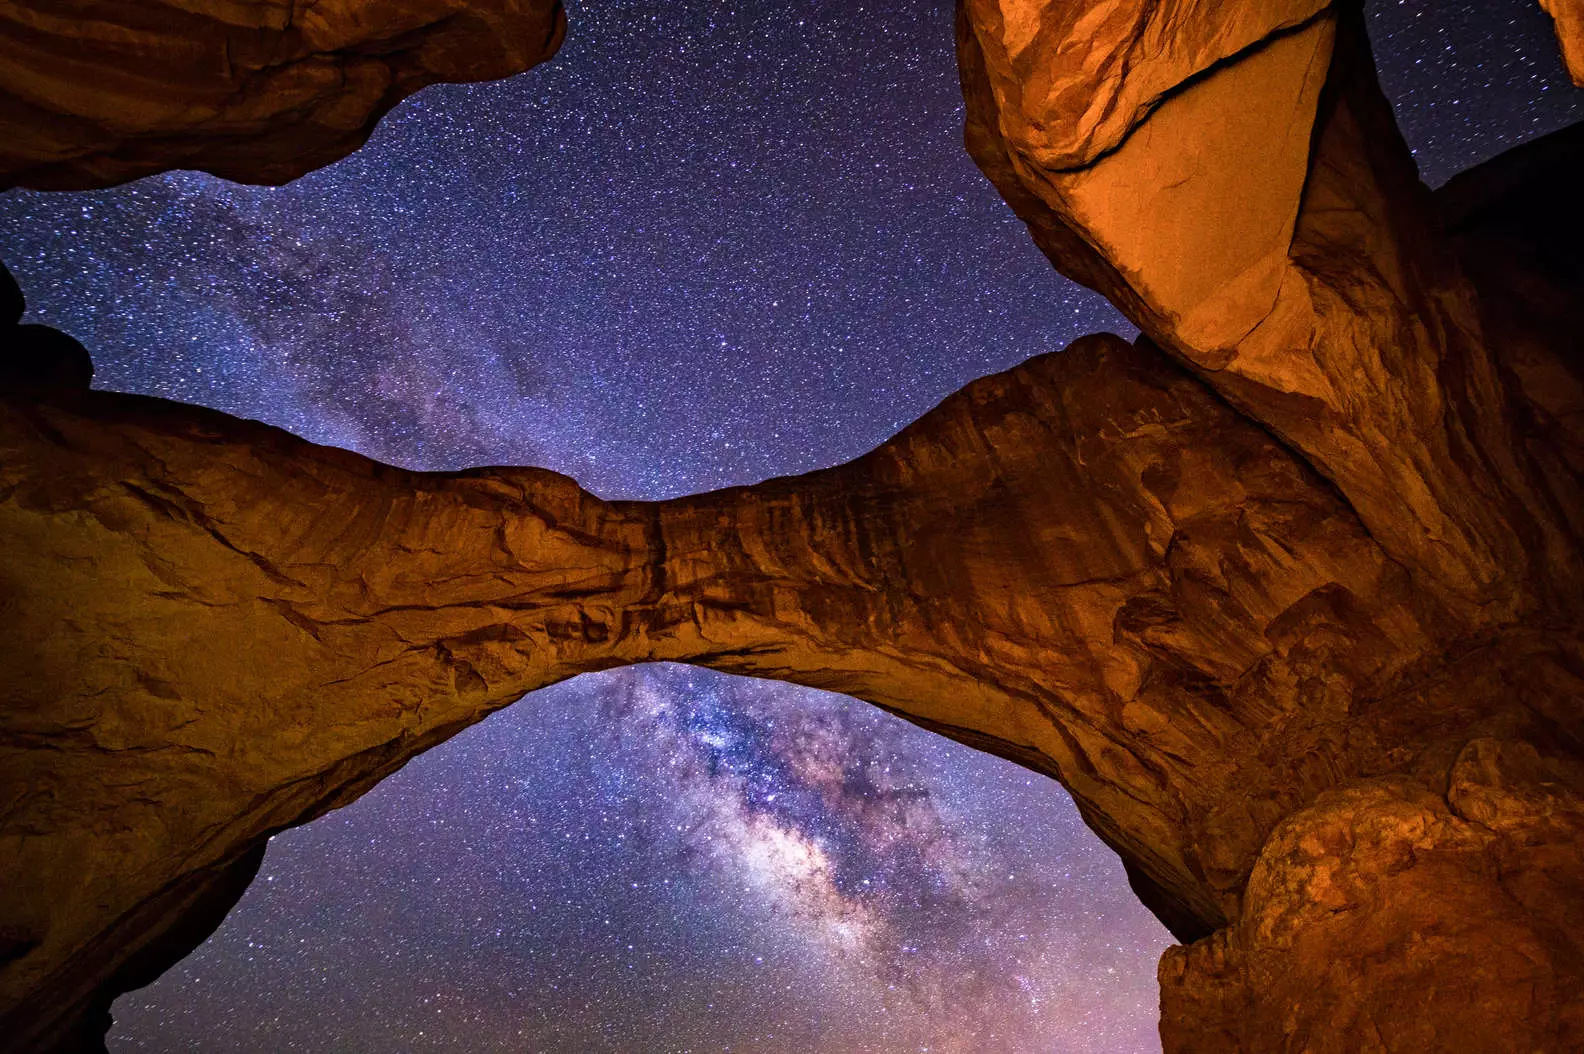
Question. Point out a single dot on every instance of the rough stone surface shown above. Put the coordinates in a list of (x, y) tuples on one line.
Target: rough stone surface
[(1422, 921), (1262, 221), (268, 627), (1250, 205), (1287, 593), (1090, 565), (1569, 19), (94, 94)]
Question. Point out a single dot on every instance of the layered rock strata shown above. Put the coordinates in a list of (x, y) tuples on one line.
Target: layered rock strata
[(94, 94)]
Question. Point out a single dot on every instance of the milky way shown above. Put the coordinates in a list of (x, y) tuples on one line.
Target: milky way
[(706, 244)]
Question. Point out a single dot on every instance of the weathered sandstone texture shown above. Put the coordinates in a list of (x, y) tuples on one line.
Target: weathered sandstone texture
[(1251, 206), (93, 94), (1287, 593), (1090, 564), (1230, 176), (1569, 18)]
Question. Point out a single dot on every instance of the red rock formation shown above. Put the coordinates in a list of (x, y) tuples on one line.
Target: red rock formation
[(1403, 914), (1291, 606), (94, 94), (1569, 17), (1237, 187), (1090, 565)]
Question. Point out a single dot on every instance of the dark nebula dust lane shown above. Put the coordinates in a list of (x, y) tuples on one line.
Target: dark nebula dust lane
[(706, 244)]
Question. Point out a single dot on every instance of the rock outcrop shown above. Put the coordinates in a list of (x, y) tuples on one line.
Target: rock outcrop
[(1235, 184), (1239, 189), (1400, 914), (95, 94), (1287, 593), (34, 357), (1569, 19)]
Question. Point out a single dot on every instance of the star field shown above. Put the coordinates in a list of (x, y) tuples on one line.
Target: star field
[(1470, 80), (695, 249), (667, 860), (706, 244)]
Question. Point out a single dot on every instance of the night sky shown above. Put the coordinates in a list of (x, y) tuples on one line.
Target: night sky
[(705, 245)]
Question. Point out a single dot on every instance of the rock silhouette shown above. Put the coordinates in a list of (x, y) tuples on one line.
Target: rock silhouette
[(34, 357), (1286, 593)]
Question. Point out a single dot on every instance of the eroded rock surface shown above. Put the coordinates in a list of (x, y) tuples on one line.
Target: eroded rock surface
[(1251, 206), (1090, 565), (94, 94), (270, 627), (1237, 187), (1568, 16), (1421, 921)]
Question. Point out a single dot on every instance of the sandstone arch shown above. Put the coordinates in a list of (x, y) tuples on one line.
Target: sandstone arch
[(1286, 593)]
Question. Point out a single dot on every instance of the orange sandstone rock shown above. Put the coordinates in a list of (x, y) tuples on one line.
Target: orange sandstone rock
[(1251, 206), (1090, 565), (95, 94), (1569, 18)]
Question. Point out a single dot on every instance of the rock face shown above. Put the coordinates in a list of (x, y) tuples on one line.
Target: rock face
[(1287, 593), (1090, 565), (95, 94), (1393, 915), (1235, 184), (1238, 188), (1569, 17)]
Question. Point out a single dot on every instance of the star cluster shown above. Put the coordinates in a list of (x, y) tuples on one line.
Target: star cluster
[(706, 244)]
